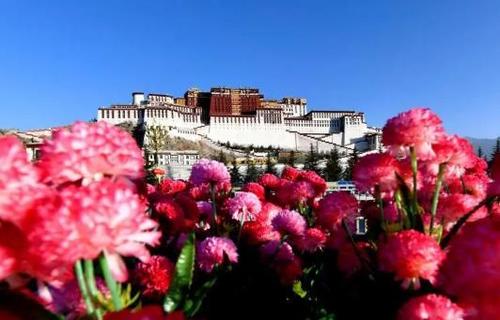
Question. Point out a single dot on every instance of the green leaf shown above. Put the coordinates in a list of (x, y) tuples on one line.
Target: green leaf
[(298, 290), (192, 306), (183, 276)]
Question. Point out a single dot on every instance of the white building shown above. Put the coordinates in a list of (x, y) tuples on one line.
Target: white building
[(284, 124)]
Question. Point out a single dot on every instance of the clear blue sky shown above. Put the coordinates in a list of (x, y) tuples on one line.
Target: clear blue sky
[(60, 60)]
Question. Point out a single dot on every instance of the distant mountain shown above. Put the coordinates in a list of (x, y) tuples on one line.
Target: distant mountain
[(486, 145)]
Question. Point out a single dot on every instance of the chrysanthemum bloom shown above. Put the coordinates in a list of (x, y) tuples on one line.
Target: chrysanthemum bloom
[(313, 239), (292, 194), (334, 207), (88, 151), (474, 184), (270, 181), (430, 306), (244, 206), (18, 179), (378, 169), (410, 255), (256, 189), (261, 230), (288, 272), (211, 252), (290, 173), (276, 251), (171, 187), (154, 276), (12, 247), (167, 208), (453, 206), (204, 207), (471, 270), (418, 128), (289, 222), (318, 183), (209, 171)]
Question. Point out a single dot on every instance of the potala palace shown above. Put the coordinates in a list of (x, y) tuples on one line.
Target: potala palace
[(243, 117)]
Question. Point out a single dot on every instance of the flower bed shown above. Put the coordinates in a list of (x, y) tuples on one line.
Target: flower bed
[(82, 235)]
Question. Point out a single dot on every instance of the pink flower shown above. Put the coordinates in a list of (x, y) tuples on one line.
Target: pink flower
[(430, 306), (209, 171), (275, 251), (88, 151), (471, 270), (270, 181), (154, 276), (313, 239), (318, 183), (378, 169), (334, 207), (418, 128), (18, 179), (212, 250), (111, 218), (410, 255), (289, 222), (244, 206), (453, 206), (256, 189)]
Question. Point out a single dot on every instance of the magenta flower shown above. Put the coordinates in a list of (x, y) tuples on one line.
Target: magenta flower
[(211, 252), (209, 171), (244, 206)]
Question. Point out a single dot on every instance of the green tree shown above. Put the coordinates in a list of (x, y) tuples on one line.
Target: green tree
[(252, 171), (221, 157), (270, 165), (353, 159), (333, 170), (312, 159), (291, 159), (156, 140), (479, 152), (495, 152), (236, 177)]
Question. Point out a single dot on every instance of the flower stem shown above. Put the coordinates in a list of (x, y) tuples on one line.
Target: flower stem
[(435, 198), (214, 207), (83, 287), (88, 269), (110, 282), (414, 167)]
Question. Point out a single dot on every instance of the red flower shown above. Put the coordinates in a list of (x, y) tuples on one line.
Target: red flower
[(256, 189), (290, 173), (418, 128), (471, 270), (378, 169), (159, 171), (172, 187), (270, 181), (410, 255), (348, 261), (12, 248), (313, 239), (154, 276), (430, 306), (88, 151), (452, 207), (334, 207)]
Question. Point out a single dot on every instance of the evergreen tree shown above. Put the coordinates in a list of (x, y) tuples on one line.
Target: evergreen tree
[(270, 166), (350, 165), (291, 159), (495, 152), (221, 157), (252, 171), (235, 173), (333, 170), (312, 159), (479, 152)]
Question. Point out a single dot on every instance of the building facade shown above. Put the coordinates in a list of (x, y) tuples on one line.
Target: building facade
[(243, 117)]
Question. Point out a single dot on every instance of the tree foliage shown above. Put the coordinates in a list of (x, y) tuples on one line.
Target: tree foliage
[(333, 170)]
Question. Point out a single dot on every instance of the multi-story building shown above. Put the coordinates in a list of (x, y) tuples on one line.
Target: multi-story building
[(244, 117)]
